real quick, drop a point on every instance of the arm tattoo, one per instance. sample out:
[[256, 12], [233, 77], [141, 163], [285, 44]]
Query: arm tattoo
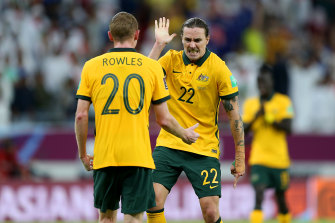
[[228, 106], [240, 143], [238, 124], [234, 99]]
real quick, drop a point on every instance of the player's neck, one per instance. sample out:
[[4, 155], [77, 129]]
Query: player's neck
[[267, 97], [125, 44]]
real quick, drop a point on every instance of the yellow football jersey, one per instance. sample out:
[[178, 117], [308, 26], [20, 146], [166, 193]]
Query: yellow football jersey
[[269, 145], [196, 89], [121, 85]]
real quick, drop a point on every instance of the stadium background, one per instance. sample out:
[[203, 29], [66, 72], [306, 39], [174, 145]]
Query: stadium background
[[44, 44]]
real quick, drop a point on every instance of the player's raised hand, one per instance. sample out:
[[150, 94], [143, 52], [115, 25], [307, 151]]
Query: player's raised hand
[[191, 136], [162, 31]]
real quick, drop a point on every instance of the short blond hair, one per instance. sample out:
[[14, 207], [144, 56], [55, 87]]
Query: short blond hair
[[123, 26]]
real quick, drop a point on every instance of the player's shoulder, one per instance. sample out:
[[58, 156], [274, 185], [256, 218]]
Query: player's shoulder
[[216, 64], [215, 58], [95, 60], [282, 97], [174, 53], [251, 101], [149, 61]]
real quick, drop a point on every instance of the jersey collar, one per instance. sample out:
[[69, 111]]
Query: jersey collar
[[122, 50], [200, 61]]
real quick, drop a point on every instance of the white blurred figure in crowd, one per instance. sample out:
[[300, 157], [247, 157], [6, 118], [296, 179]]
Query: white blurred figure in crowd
[[33, 25], [7, 75]]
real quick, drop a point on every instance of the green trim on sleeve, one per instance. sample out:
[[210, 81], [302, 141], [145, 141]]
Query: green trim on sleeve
[[164, 72], [159, 101], [229, 96], [83, 98]]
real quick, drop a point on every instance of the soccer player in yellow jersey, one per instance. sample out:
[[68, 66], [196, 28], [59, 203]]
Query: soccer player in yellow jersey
[[269, 117], [121, 85], [197, 80]]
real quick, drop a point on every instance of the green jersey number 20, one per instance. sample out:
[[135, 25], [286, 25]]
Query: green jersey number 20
[[107, 110]]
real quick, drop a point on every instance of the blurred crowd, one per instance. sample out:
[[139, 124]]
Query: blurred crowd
[[44, 44]]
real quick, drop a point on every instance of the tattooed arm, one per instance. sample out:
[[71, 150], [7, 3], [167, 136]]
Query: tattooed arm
[[236, 125]]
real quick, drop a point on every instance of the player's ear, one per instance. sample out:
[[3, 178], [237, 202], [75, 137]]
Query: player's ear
[[137, 34], [182, 39], [207, 39], [110, 36]]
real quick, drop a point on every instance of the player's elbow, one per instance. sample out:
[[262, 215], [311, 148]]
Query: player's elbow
[[163, 121], [80, 116]]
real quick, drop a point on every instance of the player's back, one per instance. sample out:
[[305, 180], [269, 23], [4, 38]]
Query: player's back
[[122, 84]]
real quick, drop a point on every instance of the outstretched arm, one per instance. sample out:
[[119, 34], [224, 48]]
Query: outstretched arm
[[162, 37], [171, 125], [236, 125]]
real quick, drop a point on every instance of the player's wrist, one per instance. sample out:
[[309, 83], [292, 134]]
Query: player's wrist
[[239, 158], [160, 44], [82, 156], [183, 135]]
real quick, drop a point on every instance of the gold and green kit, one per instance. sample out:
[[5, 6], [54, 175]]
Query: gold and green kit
[[269, 145], [196, 90], [121, 85]]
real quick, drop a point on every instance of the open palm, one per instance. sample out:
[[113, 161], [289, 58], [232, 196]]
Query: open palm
[[162, 31]]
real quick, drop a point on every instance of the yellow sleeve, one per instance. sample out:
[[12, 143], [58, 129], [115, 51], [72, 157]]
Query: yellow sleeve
[[247, 112], [84, 88], [161, 91], [165, 61], [227, 83], [286, 111]]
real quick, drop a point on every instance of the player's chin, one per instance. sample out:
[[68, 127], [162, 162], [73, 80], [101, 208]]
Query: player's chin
[[193, 55]]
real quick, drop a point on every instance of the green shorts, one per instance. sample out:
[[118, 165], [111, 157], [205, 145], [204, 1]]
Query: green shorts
[[132, 184], [202, 171], [271, 177]]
